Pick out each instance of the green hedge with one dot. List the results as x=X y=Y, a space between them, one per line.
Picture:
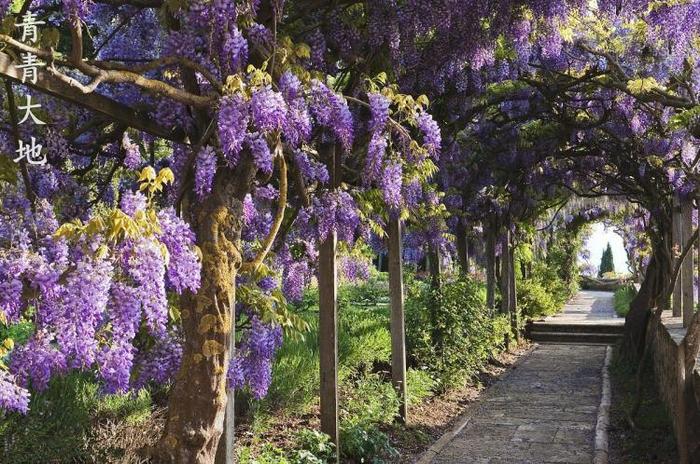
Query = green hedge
x=622 y=299
x=450 y=332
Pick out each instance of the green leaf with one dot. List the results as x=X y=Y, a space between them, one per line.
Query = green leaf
x=8 y=170
x=642 y=85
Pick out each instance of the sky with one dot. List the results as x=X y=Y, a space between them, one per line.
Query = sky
x=598 y=240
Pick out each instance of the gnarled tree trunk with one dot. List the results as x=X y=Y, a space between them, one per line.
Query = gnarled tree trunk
x=197 y=402
x=656 y=279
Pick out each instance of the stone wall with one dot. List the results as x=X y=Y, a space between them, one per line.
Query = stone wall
x=675 y=390
x=667 y=353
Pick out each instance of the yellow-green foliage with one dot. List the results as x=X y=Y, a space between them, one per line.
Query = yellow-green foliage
x=534 y=301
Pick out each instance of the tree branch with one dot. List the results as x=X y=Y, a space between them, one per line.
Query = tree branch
x=253 y=265
x=52 y=85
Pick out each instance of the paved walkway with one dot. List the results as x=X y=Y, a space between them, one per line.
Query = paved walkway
x=544 y=410
x=589 y=307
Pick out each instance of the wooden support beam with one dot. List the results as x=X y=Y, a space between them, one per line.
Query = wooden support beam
x=434 y=266
x=469 y=256
x=328 y=313
x=505 y=278
x=398 y=337
x=677 y=244
x=687 y=285
x=328 y=336
x=462 y=252
x=512 y=291
x=226 y=452
x=490 y=268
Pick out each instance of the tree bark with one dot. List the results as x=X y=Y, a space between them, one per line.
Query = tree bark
x=197 y=403
x=656 y=278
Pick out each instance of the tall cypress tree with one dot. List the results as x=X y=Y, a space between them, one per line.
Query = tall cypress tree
x=606 y=262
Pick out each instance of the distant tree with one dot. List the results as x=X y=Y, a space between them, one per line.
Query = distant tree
x=606 y=262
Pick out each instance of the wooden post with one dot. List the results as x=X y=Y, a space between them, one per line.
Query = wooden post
x=462 y=252
x=328 y=314
x=490 y=268
x=677 y=236
x=226 y=452
x=512 y=291
x=687 y=266
x=505 y=276
x=434 y=266
x=398 y=338
x=230 y=414
x=469 y=257
x=680 y=416
x=328 y=336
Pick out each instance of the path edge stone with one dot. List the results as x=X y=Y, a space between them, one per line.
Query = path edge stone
x=429 y=455
x=603 y=421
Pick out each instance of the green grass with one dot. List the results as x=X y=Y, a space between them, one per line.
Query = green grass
x=364 y=343
x=60 y=419
x=622 y=299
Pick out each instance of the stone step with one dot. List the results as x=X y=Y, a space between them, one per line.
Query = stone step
x=583 y=338
x=577 y=328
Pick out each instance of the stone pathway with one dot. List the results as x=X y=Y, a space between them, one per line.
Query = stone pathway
x=543 y=411
x=589 y=307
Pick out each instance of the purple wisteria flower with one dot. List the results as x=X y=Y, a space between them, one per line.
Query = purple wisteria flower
x=132 y=158
x=379 y=107
x=204 y=172
x=232 y=126
x=391 y=184
x=375 y=158
x=235 y=50
x=12 y=396
x=431 y=133
x=332 y=112
x=269 y=110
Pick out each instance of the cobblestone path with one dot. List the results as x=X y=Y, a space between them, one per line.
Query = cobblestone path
x=543 y=411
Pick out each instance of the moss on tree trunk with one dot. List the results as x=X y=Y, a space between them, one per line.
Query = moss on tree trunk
x=197 y=401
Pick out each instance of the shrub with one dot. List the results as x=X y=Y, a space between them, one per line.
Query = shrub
x=364 y=339
x=368 y=401
x=534 y=301
x=450 y=332
x=372 y=292
x=421 y=385
x=313 y=445
x=361 y=444
x=622 y=299
x=560 y=289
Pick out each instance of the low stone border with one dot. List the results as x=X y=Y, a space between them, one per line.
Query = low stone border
x=601 y=428
x=428 y=456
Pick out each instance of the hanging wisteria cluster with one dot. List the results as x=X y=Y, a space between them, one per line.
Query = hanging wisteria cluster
x=285 y=124
x=90 y=295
